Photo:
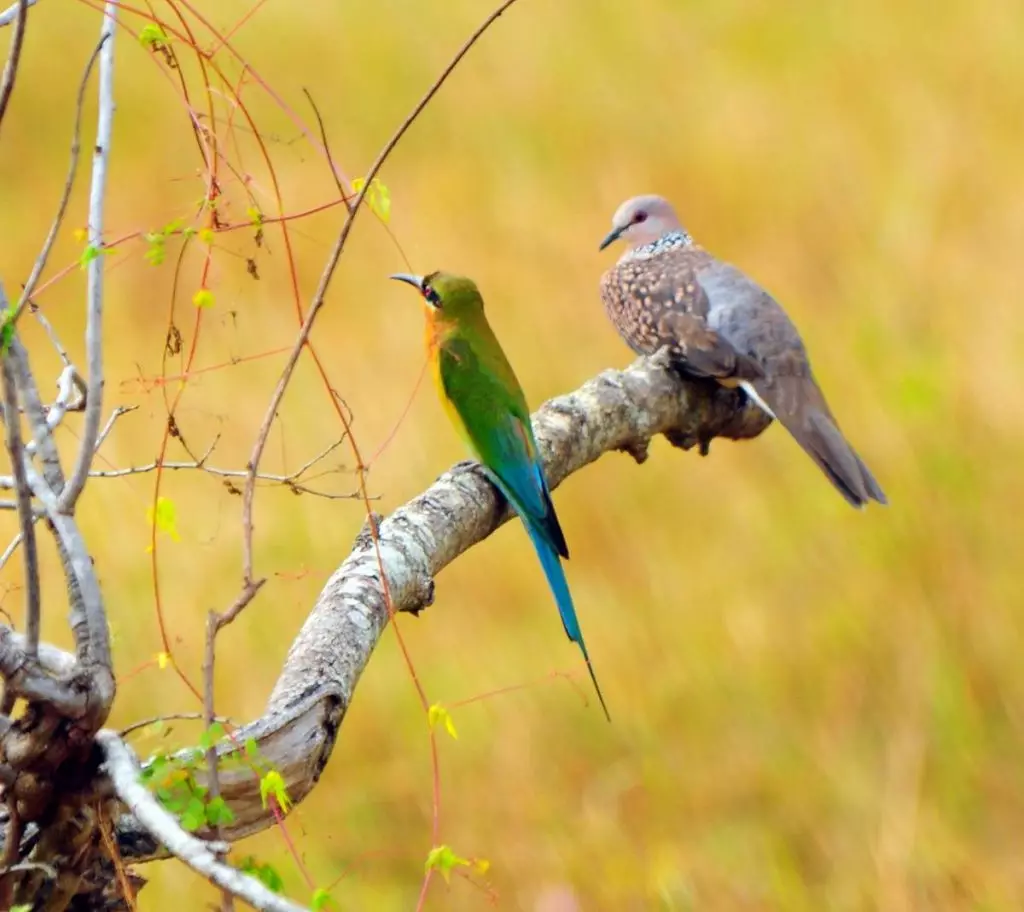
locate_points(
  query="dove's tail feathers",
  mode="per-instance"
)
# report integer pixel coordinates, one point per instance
(798, 403)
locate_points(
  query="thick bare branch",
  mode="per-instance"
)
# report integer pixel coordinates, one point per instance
(94, 277)
(43, 421)
(617, 410)
(26, 519)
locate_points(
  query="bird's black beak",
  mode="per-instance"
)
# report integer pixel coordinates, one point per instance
(409, 279)
(611, 237)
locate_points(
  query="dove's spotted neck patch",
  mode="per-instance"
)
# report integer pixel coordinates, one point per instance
(671, 241)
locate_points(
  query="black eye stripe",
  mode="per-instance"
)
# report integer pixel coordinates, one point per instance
(432, 296)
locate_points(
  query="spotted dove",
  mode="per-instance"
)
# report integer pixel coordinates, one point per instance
(668, 293)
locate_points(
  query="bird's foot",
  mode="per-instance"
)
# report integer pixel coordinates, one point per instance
(470, 467)
(668, 358)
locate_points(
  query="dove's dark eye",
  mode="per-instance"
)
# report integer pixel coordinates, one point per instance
(433, 298)
(641, 216)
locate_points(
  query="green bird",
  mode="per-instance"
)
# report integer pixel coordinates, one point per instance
(486, 403)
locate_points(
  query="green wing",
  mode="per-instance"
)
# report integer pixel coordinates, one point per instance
(490, 404)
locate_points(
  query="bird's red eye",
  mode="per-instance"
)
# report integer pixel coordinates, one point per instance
(641, 216)
(433, 298)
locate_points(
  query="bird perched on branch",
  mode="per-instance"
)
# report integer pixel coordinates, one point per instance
(666, 290)
(486, 404)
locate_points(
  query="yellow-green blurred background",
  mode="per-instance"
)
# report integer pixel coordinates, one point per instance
(814, 708)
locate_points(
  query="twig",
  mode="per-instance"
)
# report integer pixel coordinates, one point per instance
(11, 13)
(26, 521)
(123, 769)
(290, 480)
(14, 56)
(94, 293)
(109, 426)
(42, 320)
(325, 281)
(9, 551)
(214, 623)
(187, 716)
(69, 181)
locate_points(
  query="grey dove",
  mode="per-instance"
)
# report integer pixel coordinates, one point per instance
(667, 291)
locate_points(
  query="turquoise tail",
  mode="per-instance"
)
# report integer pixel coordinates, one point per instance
(552, 565)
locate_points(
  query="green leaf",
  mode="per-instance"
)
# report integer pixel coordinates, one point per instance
(377, 197)
(164, 516)
(438, 715)
(320, 899)
(6, 329)
(150, 35)
(194, 816)
(442, 859)
(265, 873)
(252, 748)
(21, 907)
(211, 736)
(88, 255)
(156, 249)
(206, 236)
(271, 783)
(203, 298)
(255, 216)
(218, 813)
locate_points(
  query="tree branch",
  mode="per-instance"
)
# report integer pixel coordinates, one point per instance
(26, 520)
(94, 278)
(11, 13)
(615, 411)
(10, 73)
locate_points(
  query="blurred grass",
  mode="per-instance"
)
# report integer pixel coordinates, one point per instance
(814, 709)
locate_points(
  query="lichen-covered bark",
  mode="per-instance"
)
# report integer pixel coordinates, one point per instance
(615, 411)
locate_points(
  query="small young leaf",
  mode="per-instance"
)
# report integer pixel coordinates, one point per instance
(438, 715)
(320, 899)
(211, 736)
(377, 197)
(150, 35)
(271, 783)
(252, 748)
(194, 816)
(218, 813)
(163, 659)
(482, 865)
(203, 298)
(265, 873)
(164, 516)
(443, 859)
(156, 250)
(206, 236)
(88, 255)
(6, 329)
